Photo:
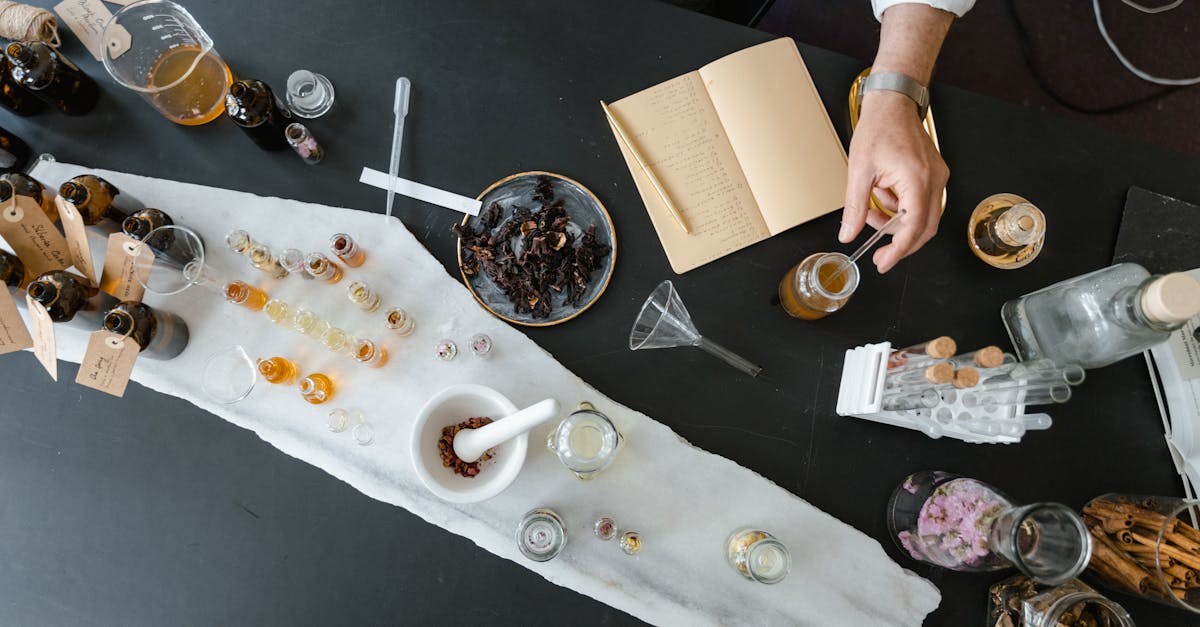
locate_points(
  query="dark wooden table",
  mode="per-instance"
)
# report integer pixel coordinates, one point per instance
(146, 510)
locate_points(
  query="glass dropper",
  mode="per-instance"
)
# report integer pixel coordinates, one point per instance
(866, 246)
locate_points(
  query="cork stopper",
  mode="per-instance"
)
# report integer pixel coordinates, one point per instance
(943, 347)
(1171, 299)
(989, 357)
(966, 377)
(940, 373)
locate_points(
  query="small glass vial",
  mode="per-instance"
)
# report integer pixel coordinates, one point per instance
(247, 296)
(446, 350)
(818, 286)
(362, 295)
(278, 370)
(305, 145)
(347, 250)
(320, 267)
(316, 388)
(481, 346)
(292, 260)
(308, 323)
(262, 258)
(278, 312)
(541, 535)
(399, 321)
(605, 528)
(309, 95)
(631, 542)
(363, 432)
(1006, 231)
(757, 556)
(370, 353)
(338, 341)
(239, 241)
(338, 420)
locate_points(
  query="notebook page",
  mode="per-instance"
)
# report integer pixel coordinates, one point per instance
(780, 132)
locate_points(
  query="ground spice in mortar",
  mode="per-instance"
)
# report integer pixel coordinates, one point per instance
(446, 448)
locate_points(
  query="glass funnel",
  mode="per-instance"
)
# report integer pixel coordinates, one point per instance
(664, 322)
(178, 261)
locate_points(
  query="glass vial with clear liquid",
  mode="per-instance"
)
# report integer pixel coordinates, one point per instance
(1101, 317)
(818, 286)
(161, 335)
(1006, 231)
(253, 106)
(51, 76)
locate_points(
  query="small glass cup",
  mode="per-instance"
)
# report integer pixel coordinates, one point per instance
(817, 286)
(541, 535)
(229, 375)
(757, 556)
(586, 442)
(309, 94)
(630, 542)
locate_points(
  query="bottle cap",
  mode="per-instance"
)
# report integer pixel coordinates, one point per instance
(1171, 298)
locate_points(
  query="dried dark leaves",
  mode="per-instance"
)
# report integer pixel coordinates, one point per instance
(550, 260)
(446, 448)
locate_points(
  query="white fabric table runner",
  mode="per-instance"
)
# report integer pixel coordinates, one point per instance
(683, 500)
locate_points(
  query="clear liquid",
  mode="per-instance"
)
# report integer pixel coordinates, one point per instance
(200, 98)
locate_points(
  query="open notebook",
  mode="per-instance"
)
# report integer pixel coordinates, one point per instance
(744, 148)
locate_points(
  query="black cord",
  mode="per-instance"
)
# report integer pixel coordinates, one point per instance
(1045, 84)
(760, 13)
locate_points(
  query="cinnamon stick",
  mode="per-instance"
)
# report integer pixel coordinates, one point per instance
(1121, 569)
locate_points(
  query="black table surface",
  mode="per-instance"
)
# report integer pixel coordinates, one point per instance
(147, 510)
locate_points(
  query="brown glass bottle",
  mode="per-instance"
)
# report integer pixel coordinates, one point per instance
(161, 335)
(70, 298)
(12, 271)
(51, 76)
(14, 153)
(25, 185)
(253, 106)
(97, 199)
(140, 223)
(13, 96)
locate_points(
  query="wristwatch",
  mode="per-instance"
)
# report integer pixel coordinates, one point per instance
(895, 81)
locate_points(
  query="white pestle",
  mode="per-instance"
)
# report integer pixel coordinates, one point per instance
(471, 444)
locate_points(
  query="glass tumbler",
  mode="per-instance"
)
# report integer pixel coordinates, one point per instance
(817, 286)
(586, 442)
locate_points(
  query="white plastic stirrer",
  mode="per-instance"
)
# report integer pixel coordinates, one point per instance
(400, 108)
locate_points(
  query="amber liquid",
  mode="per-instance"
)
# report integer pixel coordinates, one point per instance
(811, 306)
(277, 370)
(349, 252)
(200, 98)
(316, 388)
(245, 295)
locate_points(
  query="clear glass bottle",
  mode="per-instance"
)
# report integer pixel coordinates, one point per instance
(279, 312)
(239, 241)
(586, 442)
(316, 388)
(966, 525)
(338, 341)
(362, 295)
(399, 321)
(309, 94)
(262, 258)
(292, 260)
(97, 199)
(139, 224)
(161, 335)
(253, 106)
(816, 287)
(347, 250)
(1101, 317)
(305, 322)
(1022, 601)
(12, 270)
(248, 296)
(1006, 231)
(305, 145)
(278, 370)
(71, 298)
(25, 185)
(51, 76)
(320, 267)
(370, 353)
(757, 556)
(541, 535)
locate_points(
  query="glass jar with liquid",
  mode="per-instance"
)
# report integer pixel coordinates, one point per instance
(757, 556)
(586, 442)
(1006, 231)
(161, 335)
(818, 286)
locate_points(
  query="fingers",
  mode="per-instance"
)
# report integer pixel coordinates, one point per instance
(859, 181)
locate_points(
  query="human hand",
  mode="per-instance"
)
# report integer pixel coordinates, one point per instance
(890, 152)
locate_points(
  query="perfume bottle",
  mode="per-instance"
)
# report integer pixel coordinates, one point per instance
(14, 153)
(362, 295)
(305, 145)
(13, 96)
(239, 241)
(12, 271)
(140, 223)
(262, 258)
(278, 370)
(347, 250)
(25, 185)
(247, 296)
(161, 335)
(71, 298)
(757, 556)
(399, 321)
(320, 267)
(1006, 231)
(51, 76)
(316, 388)
(278, 312)
(818, 286)
(586, 442)
(253, 106)
(97, 199)
(1101, 317)
(370, 353)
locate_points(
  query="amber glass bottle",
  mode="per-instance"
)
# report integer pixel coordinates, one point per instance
(12, 271)
(96, 199)
(161, 334)
(51, 76)
(68, 297)
(13, 96)
(253, 106)
(14, 153)
(139, 224)
(25, 185)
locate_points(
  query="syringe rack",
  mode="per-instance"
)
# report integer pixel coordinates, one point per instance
(861, 396)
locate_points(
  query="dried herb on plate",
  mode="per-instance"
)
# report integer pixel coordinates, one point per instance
(532, 256)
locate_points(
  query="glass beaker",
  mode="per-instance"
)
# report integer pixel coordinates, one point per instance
(818, 286)
(156, 48)
(1022, 601)
(757, 556)
(586, 442)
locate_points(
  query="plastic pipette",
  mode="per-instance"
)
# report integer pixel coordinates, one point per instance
(400, 108)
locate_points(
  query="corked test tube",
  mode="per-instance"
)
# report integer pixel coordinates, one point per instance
(966, 377)
(1037, 393)
(902, 399)
(986, 357)
(942, 347)
(940, 373)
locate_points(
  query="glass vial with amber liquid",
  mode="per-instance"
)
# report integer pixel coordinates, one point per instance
(818, 286)
(14, 153)
(51, 76)
(140, 223)
(25, 185)
(248, 296)
(97, 199)
(253, 106)
(1006, 231)
(161, 335)
(316, 388)
(70, 298)
(12, 271)
(278, 370)
(347, 250)
(13, 96)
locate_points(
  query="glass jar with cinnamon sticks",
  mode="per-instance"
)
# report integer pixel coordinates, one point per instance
(1147, 546)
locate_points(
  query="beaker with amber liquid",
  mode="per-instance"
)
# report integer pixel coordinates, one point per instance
(1006, 231)
(156, 48)
(818, 286)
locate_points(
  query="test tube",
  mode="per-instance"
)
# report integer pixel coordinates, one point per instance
(247, 296)
(942, 347)
(966, 377)
(399, 321)
(337, 341)
(370, 353)
(292, 260)
(347, 250)
(896, 400)
(238, 241)
(949, 395)
(320, 267)
(262, 258)
(362, 295)
(279, 312)
(939, 373)
(1035, 393)
(986, 357)
(1037, 422)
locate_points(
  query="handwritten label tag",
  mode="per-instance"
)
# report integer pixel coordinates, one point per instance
(32, 236)
(77, 241)
(43, 336)
(108, 362)
(125, 260)
(13, 334)
(87, 18)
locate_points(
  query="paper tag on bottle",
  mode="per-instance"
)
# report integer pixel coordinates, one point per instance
(108, 362)
(14, 336)
(43, 336)
(87, 18)
(77, 241)
(125, 260)
(32, 236)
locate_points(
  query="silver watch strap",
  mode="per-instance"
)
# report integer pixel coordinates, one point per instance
(895, 81)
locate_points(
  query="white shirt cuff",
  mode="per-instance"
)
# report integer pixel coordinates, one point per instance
(957, 7)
